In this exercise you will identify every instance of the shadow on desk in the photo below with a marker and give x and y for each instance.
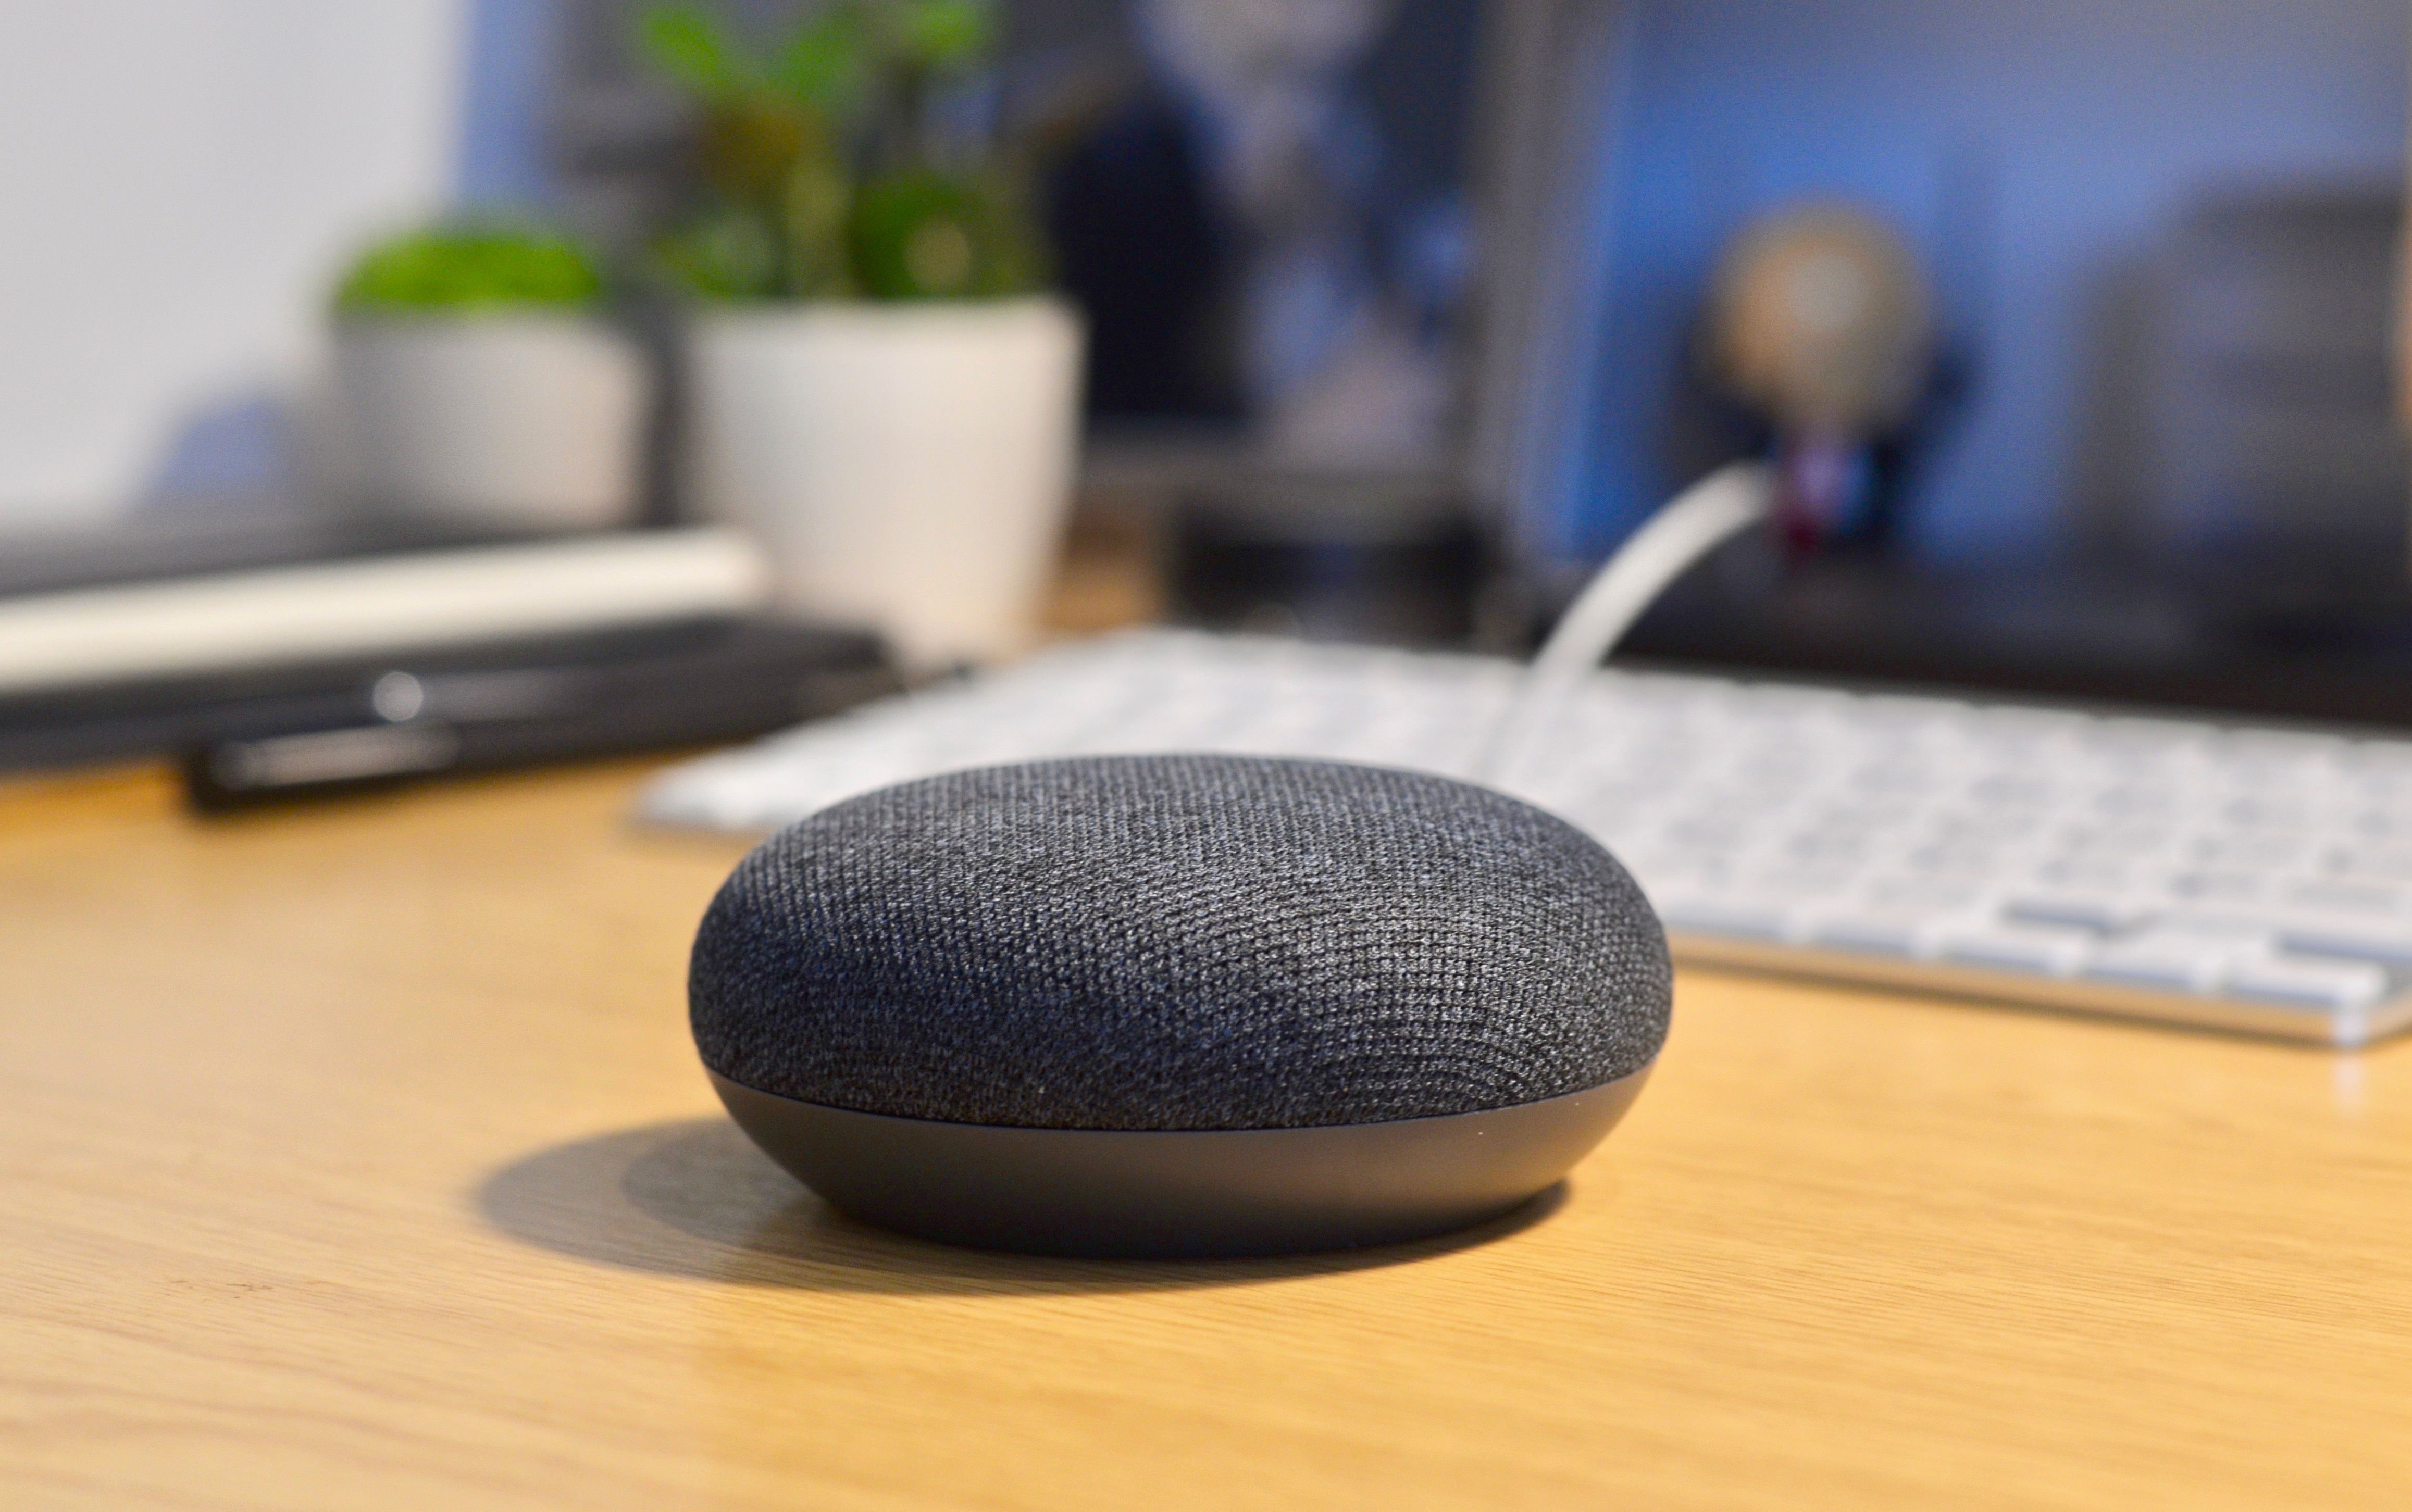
(695, 1198)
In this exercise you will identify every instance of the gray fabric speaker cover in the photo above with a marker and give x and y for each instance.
(1180, 941)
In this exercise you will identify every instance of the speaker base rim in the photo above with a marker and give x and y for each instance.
(1179, 1193)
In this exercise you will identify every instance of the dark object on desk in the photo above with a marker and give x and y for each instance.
(2312, 630)
(1380, 561)
(1158, 1005)
(377, 723)
(293, 658)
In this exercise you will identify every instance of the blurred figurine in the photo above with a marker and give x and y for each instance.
(1821, 322)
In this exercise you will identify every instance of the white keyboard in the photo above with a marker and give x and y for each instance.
(2226, 877)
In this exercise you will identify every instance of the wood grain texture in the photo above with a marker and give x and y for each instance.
(356, 1157)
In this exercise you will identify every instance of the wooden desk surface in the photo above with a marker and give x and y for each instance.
(357, 1157)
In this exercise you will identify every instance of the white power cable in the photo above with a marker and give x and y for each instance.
(1695, 522)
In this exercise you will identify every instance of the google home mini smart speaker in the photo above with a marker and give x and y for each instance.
(1180, 1004)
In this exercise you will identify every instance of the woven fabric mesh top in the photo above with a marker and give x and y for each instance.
(1178, 943)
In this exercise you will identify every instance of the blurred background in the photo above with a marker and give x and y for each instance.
(939, 328)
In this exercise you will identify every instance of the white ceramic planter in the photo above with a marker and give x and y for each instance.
(907, 466)
(510, 418)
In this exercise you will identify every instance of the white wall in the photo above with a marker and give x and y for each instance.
(179, 180)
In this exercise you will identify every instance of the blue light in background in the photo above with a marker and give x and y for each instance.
(2023, 150)
(502, 161)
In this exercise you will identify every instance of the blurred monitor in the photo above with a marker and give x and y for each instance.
(2157, 236)
(2069, 323)
(2144, 257)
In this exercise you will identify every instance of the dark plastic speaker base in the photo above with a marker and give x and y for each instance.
(1179, 1193)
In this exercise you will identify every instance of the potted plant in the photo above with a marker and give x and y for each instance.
(880, 387)
(474, 381)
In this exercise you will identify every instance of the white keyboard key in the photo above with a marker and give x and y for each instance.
(2137, 802)
(2107, 911)
(2012, 947)
(2020, 792)
(1923, 897)
(2218, 888)
(2266, 812)
(2373, 941)
(2335, 895)
(2114, 844)
(2386, 823)
(2341, 987)
(2378, 863)
(2171, 960)
(1910, 933)
(1786, 922)
(2082, 876)
(1967, 863)
(2253, 848)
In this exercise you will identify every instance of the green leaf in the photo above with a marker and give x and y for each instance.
(751, 144)
(818, 208)
(688, 44)
(471, 267)
(926, 235)
(825, 62)
(726, 254)
(945, 35)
